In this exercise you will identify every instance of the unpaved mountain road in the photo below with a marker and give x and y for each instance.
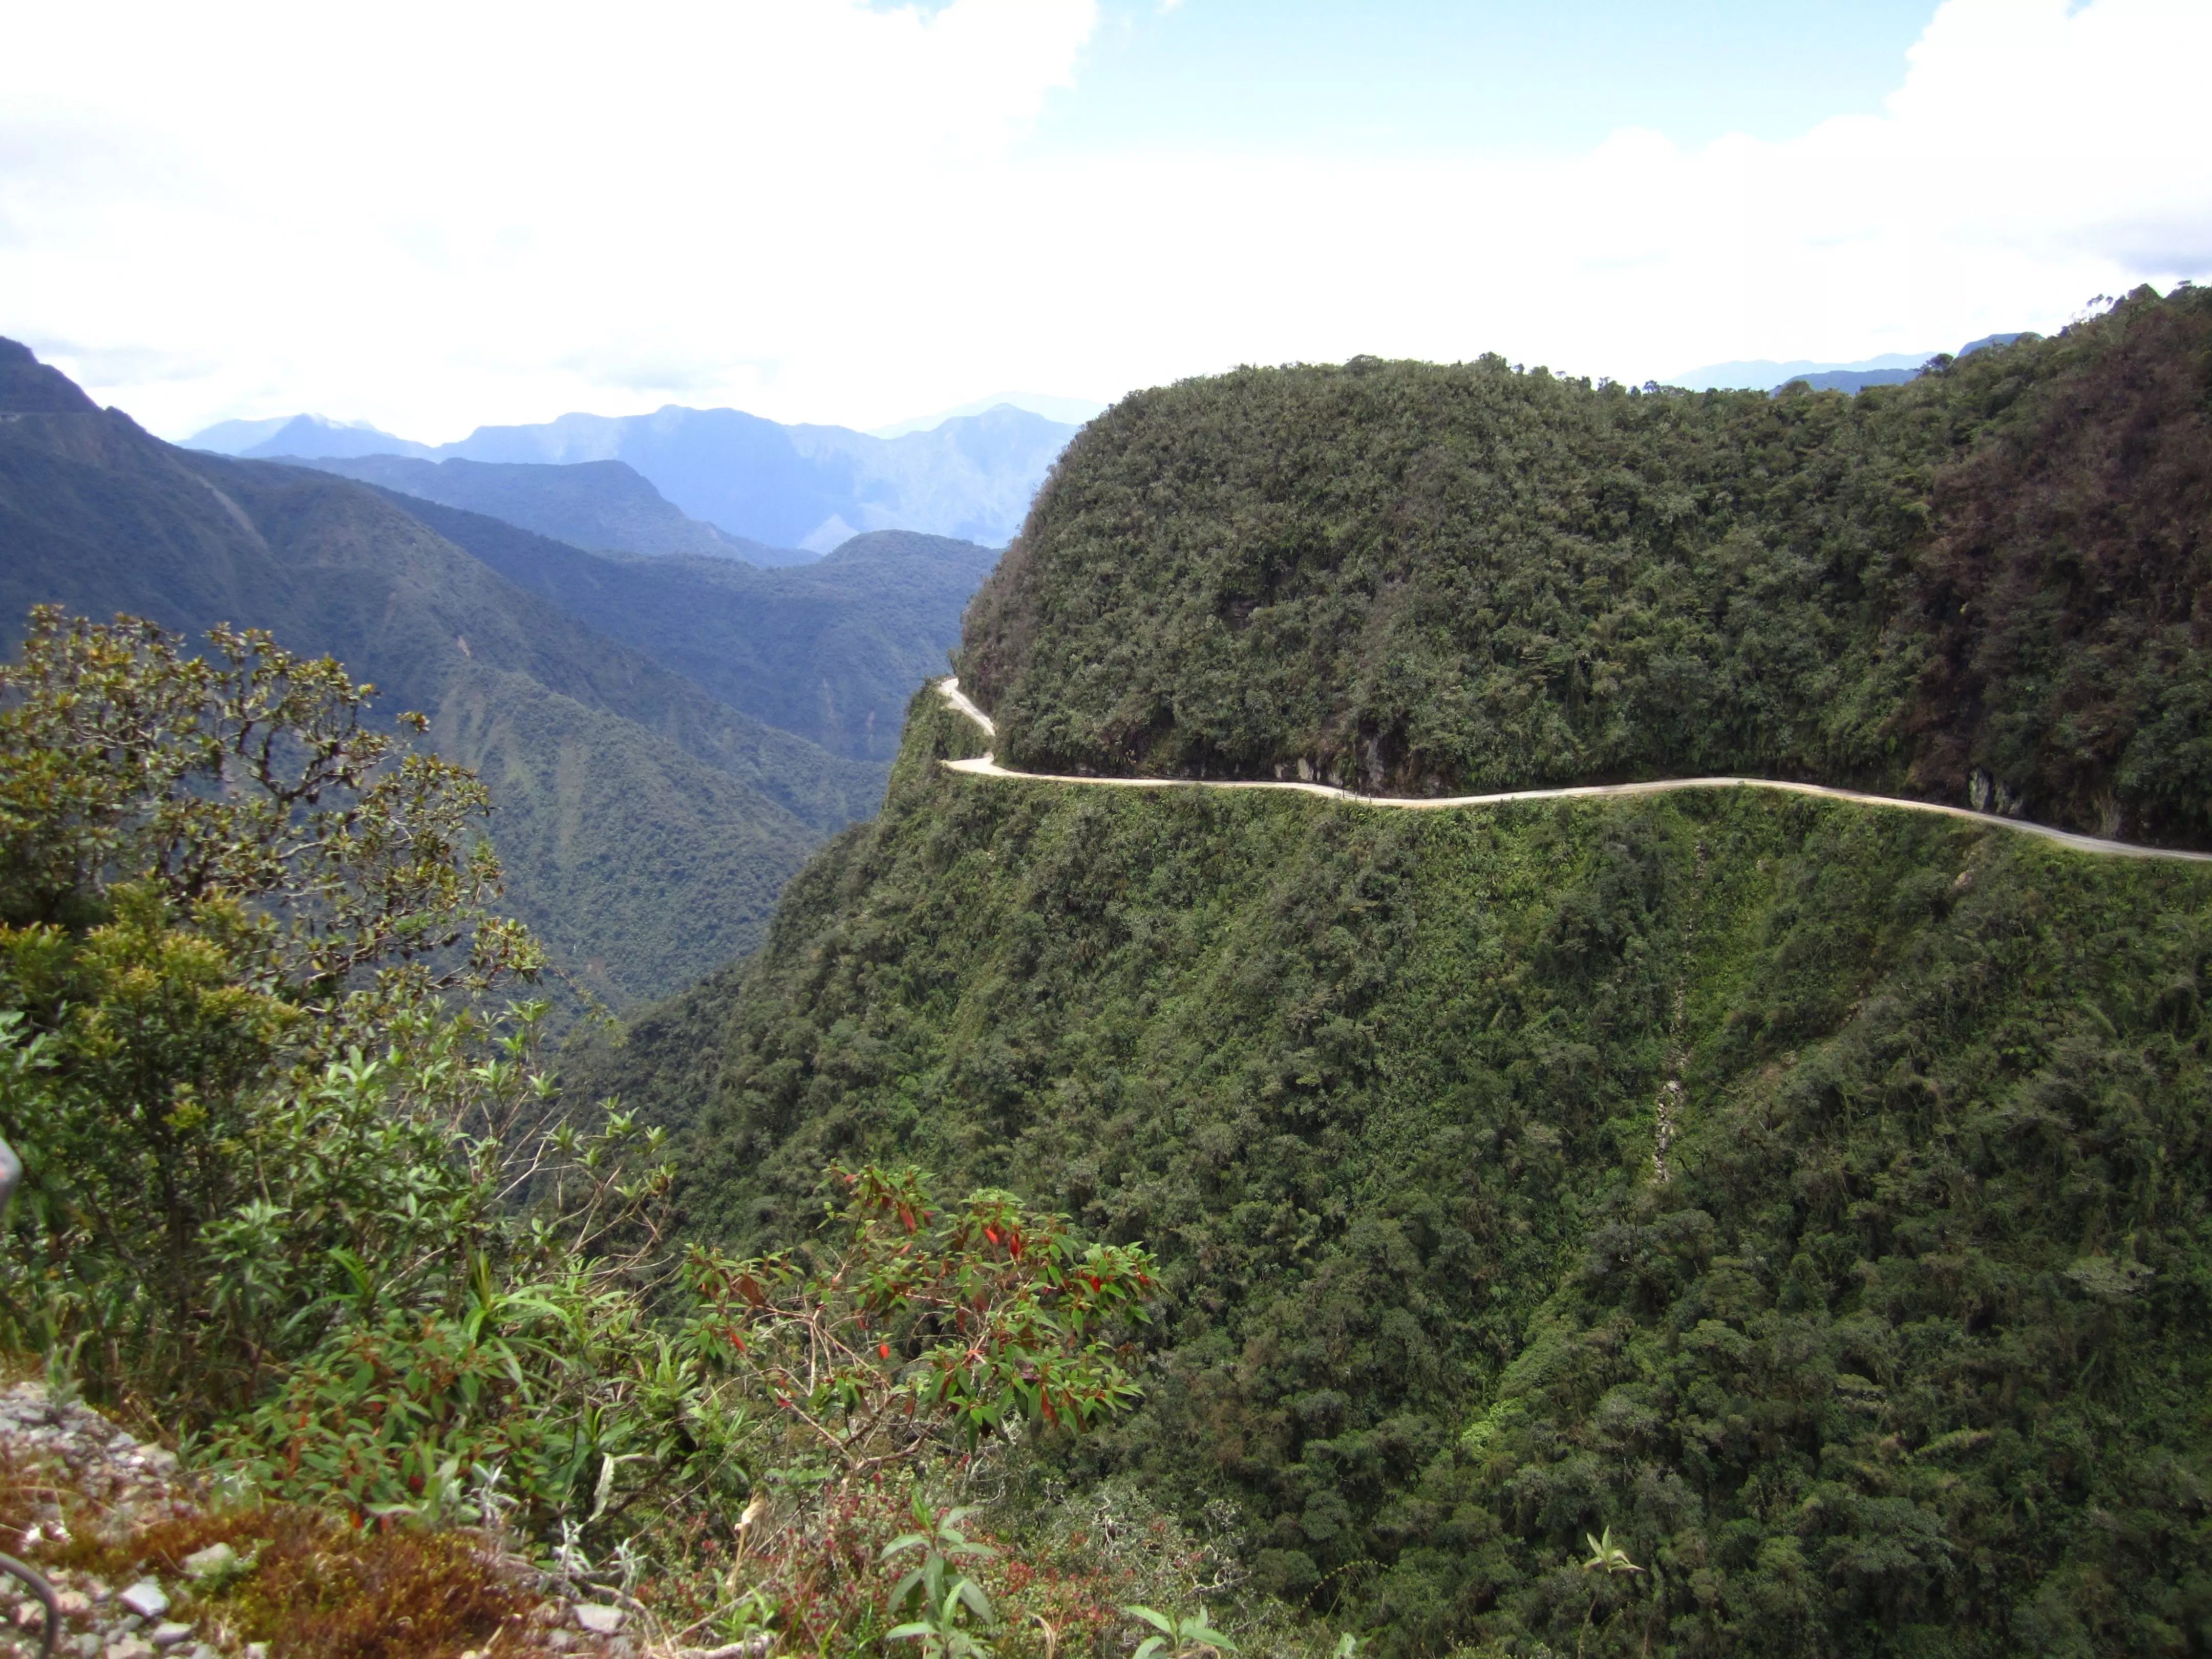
(985, 766)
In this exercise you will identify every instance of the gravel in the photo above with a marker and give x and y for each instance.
(129, 1486)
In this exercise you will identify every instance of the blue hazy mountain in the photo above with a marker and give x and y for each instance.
(969, 477)
(306, 437)
(1763, 375)
(1069, 411)
(1854, 380)
(604, 506)
(813, 487)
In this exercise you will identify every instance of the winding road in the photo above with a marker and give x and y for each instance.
(986, 766)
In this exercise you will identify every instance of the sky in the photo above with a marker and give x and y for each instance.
(431, 216)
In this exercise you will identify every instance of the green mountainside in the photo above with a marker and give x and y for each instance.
(1432, 580)
(646, 826)
(1814, 1200)
(830, 650)
(597, 504)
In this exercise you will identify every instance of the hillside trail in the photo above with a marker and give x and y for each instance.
(987, 766)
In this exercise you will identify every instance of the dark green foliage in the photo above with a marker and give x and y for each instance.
(646, 826)
(665, 1057)
(1906, 1354)
(1437, 579)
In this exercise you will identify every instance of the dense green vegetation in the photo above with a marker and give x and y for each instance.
(1706, 1224)
(1425, 578)
(646, 825)
(830, 650)
(294, 1191)
(1904, 1352)
(1805, 1202)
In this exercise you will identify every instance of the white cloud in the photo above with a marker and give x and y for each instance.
(429, 215)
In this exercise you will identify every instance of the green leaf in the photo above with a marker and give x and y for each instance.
(970, 1591)
(1159, 1621)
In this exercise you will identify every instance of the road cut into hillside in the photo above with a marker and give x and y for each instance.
(987, 766)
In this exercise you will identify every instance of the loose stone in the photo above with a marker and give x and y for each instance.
(216, 1558)
(599, 1619)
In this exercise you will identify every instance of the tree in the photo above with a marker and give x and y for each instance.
(244, 777)
(215, 879)
(292, 1182)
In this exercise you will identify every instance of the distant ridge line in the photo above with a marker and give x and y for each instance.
(987, 766)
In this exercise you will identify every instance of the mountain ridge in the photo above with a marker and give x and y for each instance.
(646, 827)
(827, 650)
(806, 486)
(598, 505)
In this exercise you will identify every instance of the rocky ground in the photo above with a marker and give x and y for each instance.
(69, 1466)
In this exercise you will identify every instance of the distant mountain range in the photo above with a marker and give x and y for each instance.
(829, 651)
(970, 477)
(1762, 374)
(1069, 411)
(606, 505)
(301, 435)
(648, 809)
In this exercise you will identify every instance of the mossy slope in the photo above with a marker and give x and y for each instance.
(1908, 1351)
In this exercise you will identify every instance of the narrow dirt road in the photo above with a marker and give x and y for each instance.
(986, 766)
(949, 687)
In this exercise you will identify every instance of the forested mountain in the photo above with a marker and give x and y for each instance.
(830, 650)
(1982, 585)
(646, 825)
(591, 504)
(1811, 1200)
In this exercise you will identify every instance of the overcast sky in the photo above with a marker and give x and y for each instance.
(434, 215)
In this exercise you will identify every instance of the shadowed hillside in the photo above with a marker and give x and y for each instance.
(646, 826)
(830, 650)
